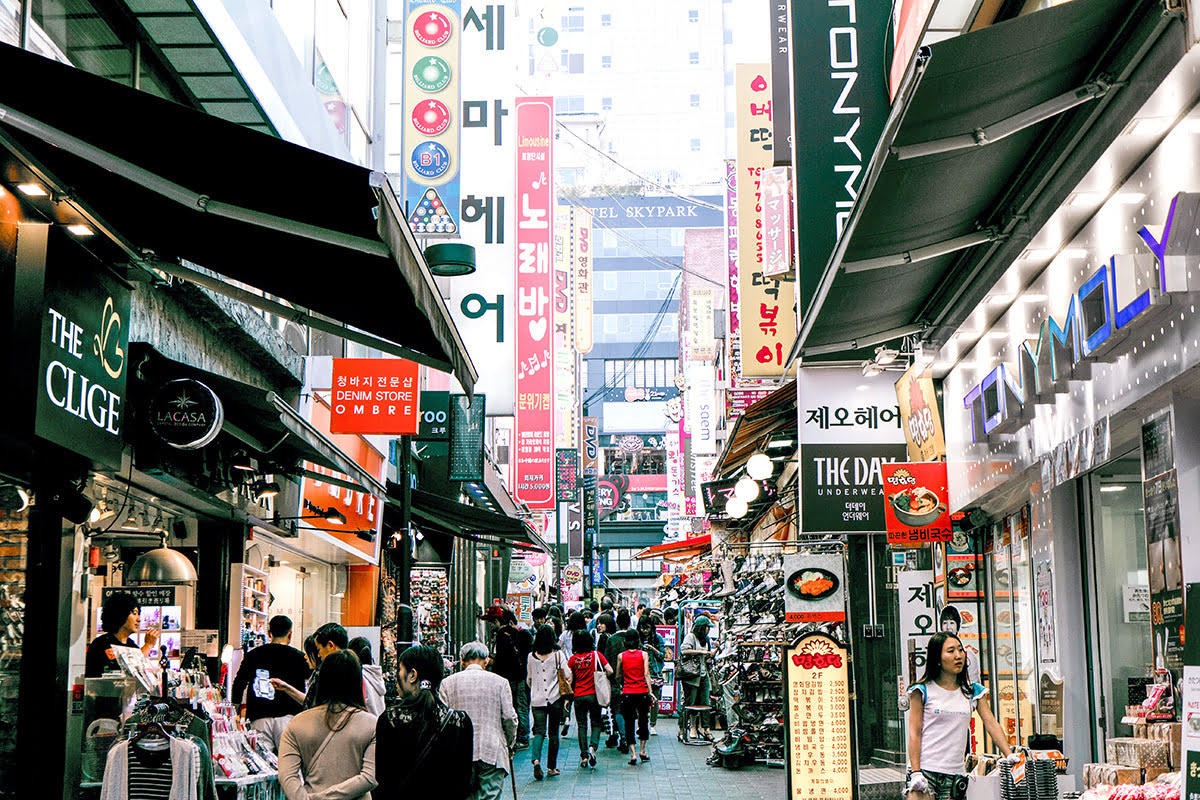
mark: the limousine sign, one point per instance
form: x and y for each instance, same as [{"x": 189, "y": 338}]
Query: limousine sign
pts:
[{"x": 1100, "y": 320}]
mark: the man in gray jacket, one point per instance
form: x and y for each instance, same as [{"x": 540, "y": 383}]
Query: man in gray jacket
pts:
[{"x": 487, "y": 699}]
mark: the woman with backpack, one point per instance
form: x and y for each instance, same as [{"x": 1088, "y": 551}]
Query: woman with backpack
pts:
[
  {"x": 586, "y": 666},
  {"x": 549, "y": 678}
]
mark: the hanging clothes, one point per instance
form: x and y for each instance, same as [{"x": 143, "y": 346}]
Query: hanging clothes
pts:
[{"x": 185, "y": 762}]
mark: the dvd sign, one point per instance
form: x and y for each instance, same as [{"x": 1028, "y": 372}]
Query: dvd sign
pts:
[{"x": 186, "y": 414}]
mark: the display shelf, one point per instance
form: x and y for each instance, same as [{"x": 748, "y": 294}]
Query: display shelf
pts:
[{"x": 254, "y": 611}]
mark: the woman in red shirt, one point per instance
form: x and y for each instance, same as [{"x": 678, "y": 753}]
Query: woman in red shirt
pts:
[
  {"x": 583, "y": 666},
  {"x": 633, "y": 673}
]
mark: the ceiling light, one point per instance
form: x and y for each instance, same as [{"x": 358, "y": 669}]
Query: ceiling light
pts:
[
  {"x": 1116, "y": 487},
  {"x": 759, "y": 467},
  {"x": 1074, "y": 252},
  {"x": 1130, "y": 198},
  {"x": 80, "y": 230},
  {"x": 242, "y": 461},
  {"x": 870, "y": 369},
  {"x": 32, "y": 190},
  {"x": 1147, "y": 126},
  {"x": 95, "y": 514},
  {"x": 1086, "y": 199},
  {"x": 131, "y": 522},
  {"x": 264, "y": 489},
  {"x": 746, "y": 488},
  {"x": 1000, "y": 299},
  {"x": 781, "y": 443},
  {"x": 1038, "y": 254},
  {"x": 335, "y": 517},
  {"x": 1032, "y": 298},
  {"x": 736, "y": 507},
  {"x": 885, "y": 355}
]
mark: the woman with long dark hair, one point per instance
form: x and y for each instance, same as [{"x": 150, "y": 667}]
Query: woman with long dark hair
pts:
[
  {"x": 330, "y": 748},
  {"x": 633, "y": 673},
  {"x": 939, "y": 721},
  {"x": 584, "y": 665},
  {"x": 429, "y": 746},
  {"x": 545, "y": 664}
]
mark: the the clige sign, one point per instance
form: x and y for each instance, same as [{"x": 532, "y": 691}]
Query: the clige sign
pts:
[{"x": 375, "y": 395}]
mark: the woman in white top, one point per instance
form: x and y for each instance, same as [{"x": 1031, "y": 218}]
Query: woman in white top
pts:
[
  {"x": 939, "y": 721},
  {"x": 543, "y": 668}
]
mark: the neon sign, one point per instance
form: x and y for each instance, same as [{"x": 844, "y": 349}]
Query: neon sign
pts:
[{"x": 1099, "y": 320}]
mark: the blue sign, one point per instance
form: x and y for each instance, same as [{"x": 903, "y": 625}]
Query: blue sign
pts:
[
  {"x": 597, "y": 569},
  {"x": 430, "y": 160},
  {"x": 667, "y": 211}
]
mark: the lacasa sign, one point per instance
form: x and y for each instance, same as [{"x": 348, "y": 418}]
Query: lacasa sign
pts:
[{"x": 1098, "y": 325}]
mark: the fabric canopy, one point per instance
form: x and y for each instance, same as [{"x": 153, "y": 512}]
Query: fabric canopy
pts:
[
  {"x": 1002, "y": 124},
  {"x": 459, "y": 519},
  {"x": 685, "y": 548},
  {"x": 173, "y": 185}
]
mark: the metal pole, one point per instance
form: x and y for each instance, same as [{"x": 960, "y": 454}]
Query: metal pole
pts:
[{"x": 405, "y": 631}]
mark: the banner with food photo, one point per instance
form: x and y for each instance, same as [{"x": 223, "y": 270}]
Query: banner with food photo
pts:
[
  {"x": 916, "y": 504},
  {"x": 814, "y": 587}
]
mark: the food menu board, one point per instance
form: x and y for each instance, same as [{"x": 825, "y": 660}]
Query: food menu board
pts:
[{"x": 819, "y": 755}]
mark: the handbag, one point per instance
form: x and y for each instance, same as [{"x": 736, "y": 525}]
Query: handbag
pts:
[
  {"x": 603, "y": 687},
  {"x": 564, "y": 682}
]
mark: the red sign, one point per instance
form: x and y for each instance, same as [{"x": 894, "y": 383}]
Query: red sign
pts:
[
  {"x": 375, "y": 395},
  {"x": 363, "y": 512},
  {"x": 534, "y": 240},
  {"x": 916, "y": 503},
  {"x": 776, "y": 221}
]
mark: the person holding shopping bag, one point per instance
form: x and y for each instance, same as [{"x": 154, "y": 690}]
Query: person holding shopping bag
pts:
[
  {"x": 939, "y": 722},
  {"x": 549, "y": 678},
  {"x": 590, "y": 672},
  {"x": 633, "y": 671}
]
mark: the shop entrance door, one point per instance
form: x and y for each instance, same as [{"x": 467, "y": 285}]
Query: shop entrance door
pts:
[{"x": 1119, "y": 594}]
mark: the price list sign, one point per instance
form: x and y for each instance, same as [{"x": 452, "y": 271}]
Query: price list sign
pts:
[{"x": 819, "y": 747}]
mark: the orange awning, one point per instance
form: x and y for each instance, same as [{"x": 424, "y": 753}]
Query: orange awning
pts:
[{"x": 681, "y": 550}]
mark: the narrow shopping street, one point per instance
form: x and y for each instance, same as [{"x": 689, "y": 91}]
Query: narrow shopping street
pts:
[{"x": 675, "y": 772}]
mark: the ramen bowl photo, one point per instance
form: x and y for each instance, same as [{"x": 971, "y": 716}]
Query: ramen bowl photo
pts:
[{"x": 916, "y": 507}]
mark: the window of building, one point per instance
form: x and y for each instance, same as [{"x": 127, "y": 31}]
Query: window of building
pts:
[
  {"x": 605, "y": 62},
  {"x": 610, "y": 324},
  {"x": 568, "y": 176},
  {"x": 693, "y": 15},
  {"x": 575, "y": 64},
  {"x": 606, "y": 20},
  {"x": 695, "y": 145},
  {"x": 644, "y": 373},
  {"x": 606, "y": 104},
  {"x": 568, "y": 104},
  {"x": 621, "y": 560},
  {"x": 695, "y": 101},
  {"x": 730, "y": 119},
  {"x": 573, "y": 23},
  {"x": 610, "y": 281},
  {"x": 728, "y": 37},
  {"x": 694, "y": 57}
]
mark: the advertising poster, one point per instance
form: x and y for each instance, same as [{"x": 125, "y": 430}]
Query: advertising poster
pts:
[
  {"x": 675, "y": 480},
  {"x": 700, "y": 317},
  {"x": 467, "y": 416},
  {"x": 670, "y": 635},
  {"x": 814, "y": 587},
  {"x": 820, "y": 748},
  {"x": 1163, "y": 537},
  {"x": 766, "y": 306},
  {"x": 1043, "y": 589},
  {"x": 431, "y": 122},
  {"x": 916, "y": 503},
  {"x": 776, "y": 219},
  {"x": 566, "y": 475},
  {"x": 534, "y": 462},
  {"x": 919, "y": 416}
]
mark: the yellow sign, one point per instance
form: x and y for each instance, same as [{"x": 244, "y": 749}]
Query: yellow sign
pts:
[
  {"x": 919, "y": 415},
  {"x": 766, "y": 305},
  {"x": 820, "y": 757}
]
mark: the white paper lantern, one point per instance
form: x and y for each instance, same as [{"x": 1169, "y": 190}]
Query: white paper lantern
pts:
[
  {"x": 736, "y": 507},
  {"x": 759, "y": 467},
  {"x": 746, "y": 489}
]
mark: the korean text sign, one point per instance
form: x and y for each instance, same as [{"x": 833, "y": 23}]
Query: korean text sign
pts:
[
  {"x": 375, "y": 395},
  {"x": 534, "y": 240},
  {"x": 820, "y": 749},
  {"x": 916, "y": 497},
  {"x": 767, "y": 312}
]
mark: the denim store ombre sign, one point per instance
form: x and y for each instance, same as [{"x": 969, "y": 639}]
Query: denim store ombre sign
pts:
[{"x": 1099, "y": 321}]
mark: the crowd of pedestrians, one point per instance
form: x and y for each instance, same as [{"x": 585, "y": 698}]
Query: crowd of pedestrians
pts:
[{"x": 455, "y": 734}]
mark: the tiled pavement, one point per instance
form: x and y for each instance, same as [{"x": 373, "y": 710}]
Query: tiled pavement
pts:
[{"x": 675, "y": 772}]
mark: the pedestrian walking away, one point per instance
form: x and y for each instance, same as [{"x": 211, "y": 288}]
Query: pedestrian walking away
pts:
[
  {"x": 511, "y": 646},
  {"x": 427, "y": 748},
  {"x": 633, "y": 671},
  {"x": 487, "y": 699},
  {"x": 585, "y": 664},
  {"x": 268, "y": 709},
  {"x": 373, "y": 687},
  {"x": 549, "y": 679},
  {"x": 329, "y": 749}
]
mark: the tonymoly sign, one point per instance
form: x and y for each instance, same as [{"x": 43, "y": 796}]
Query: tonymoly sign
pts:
[{"x": 1099, "y": 320}]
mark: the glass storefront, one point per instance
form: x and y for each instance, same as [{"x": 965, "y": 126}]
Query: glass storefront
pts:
[{"x": 14, "y": 527}]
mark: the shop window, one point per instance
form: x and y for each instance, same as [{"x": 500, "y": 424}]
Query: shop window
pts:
[
  {"x": 1014, "y": 658},
  {"x": 695, "y": 145},
  {"x": 621, "y": 560},
  {"x": 693, "y": 15},
  {"x": 605, "y": 62},
  {"x": 606, "y": 20},
  {"x": 606, "y": 104},
  {"x": 694, "y": 57},
  {"x": 572, "y": 23},
  {"x": 695, "y": 101}
]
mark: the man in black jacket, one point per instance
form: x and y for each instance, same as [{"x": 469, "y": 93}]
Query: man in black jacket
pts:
[
  {"x": 511, "y": 647},
  {"x": 268, "y": 709},
  {"x": 612, "y": 653}
]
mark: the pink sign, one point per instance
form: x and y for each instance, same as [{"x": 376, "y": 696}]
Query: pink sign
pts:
[
  {"x": 776, "y": 221},
  {"x": 534, "y": 241}
]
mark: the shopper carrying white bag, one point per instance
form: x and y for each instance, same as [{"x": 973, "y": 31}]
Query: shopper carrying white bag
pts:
[{"x": 603, "y": 687}]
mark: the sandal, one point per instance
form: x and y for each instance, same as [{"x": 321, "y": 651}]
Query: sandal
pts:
[
  {"x": 633, "y": 762},
  {"x": 583, "y": 763},
  {"x": 592, "y": 758},
  {"x": 552, "y": 772},
  {"x": 644, "y": 756},
  {"x": 537, "y": 771}
]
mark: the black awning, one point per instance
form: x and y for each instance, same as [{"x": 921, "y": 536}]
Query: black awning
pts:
[
  {"x": 1044, "y": 91},
  {"x": 173, "y": 184},
  {"x": 459, "y": 519}
]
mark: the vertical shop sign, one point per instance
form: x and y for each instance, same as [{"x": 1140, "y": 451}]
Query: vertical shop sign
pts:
[
  {"x": 1043, "y": 588},
  {"x": 674, "y": 453},
  {"x": 431, "y": 123},
  {"x": 918, "y": 620},
  {"x": 776, "y": 219},
  {"x": 767, "y": 307},
  {"x": 1163, "y": 536},
  {"x": 467, "y": 417},
  {"x": 584, "y": 289},
  {"x": 701, "y": 416},
  {"x": 82, "y": 365},
  {"x": 591, "y": 475},
  {"x": 731, "y": 252},
  {"x": 919, "y": 415},
  {"x": 566, "y": 475},
  {"x": 819, "y": 749},
  {"x": 700, "y": 316},
  {"x": 435, "y": 416},
  {"x": 781, "y": 84},
  {"x": 565, "y": 434},
  {"x": 839, "y": 106},
  {"x": 375, "y": 395},
  {"x": 534, "y": 484}
]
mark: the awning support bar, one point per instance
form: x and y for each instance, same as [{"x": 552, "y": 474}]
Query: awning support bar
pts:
[
  {"x": 981, "y": 137},
  {"x": 866, "y": 341},
  {"x": 925, "y": 253},
  {"x": 303, "y": 428}
]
